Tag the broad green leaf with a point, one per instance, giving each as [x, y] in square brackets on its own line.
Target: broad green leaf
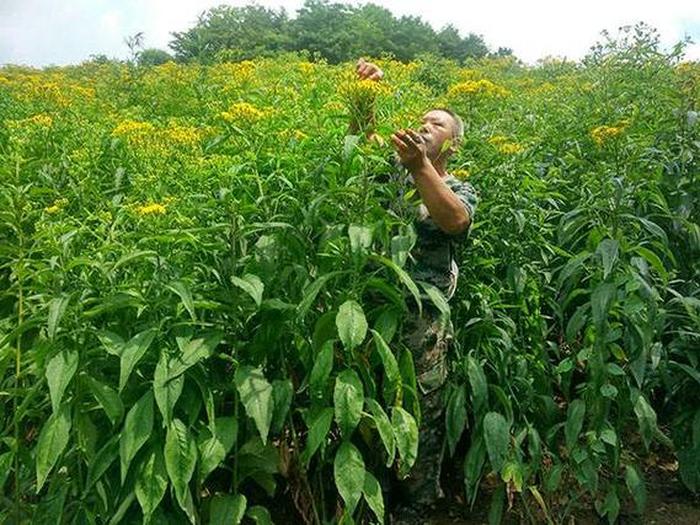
[252, 285]
[349, 474]
[360, 238]
[192, 351]
[497, 439]
[282, 392]
[654, 260]
[211, 454]
[635, 484]
[108, 398]
[473, 465]
[113, 343]
[260, 515]
[57, 308]
[608, 250]
[227, 509]
[318, 430]
[180, 459]
[5, 466]
[348, 398]
[576, 322]
[478, 384]
[456, 416]
[183, 291]
[438, 300]
[59, 373]
[312, 290]
[138, 426]
[392, 382]
[351, 324]
[52, 440]
[384, 428]
[167, 388]
[406, 433]
[132, 353]
[256, 396]
[227, 431]
[574, 422]
[321, 371]
[151, 483]
[601, 300]
[102, 461]
[372, 492]
[647, 420]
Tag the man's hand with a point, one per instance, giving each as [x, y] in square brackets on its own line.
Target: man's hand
[411, 149]
[368, 70]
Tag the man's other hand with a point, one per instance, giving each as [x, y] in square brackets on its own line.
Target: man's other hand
[411, 148]
[368, 70]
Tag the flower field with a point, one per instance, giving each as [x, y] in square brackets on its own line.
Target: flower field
[202, 288]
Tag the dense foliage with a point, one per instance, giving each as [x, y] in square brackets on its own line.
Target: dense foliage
[202, 287]
[336, 32]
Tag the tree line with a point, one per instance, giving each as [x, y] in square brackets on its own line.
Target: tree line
[335, 32]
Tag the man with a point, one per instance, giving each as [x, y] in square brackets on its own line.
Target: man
[443, 218]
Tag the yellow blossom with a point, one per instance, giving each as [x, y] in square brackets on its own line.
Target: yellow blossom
[132, 128]
[602, 134]
[461, 173]
[504, 145]
[242, 112]
[57, 206]
[151, 209]
[476, 87]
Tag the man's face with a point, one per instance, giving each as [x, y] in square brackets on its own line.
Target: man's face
[437, 127]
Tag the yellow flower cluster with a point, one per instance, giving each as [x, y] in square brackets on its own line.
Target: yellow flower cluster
[4, 81]
[476, 87]
[132, 128]
[602, 134]
[505, 146]
[242, 113]
[57, 206]
[461, 174]
[152, 208]
[293, 133]
[36, 122]
[181, 135]
[363, 89]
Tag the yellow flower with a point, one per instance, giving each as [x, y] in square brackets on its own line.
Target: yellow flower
[132, 128]
[56, 206]
[461, 173]
[181, 135]
[242, 112]
[603, 134]
[151, 209]
[476, 87]
[363, 89]
[504, 145]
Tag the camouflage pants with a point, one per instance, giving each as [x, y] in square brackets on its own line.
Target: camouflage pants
[428, 337]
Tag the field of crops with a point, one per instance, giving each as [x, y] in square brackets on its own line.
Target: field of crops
[202, 288]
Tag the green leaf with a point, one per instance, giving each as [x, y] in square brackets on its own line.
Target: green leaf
[392, 383]
[227, 510]
[372, 492]
[52, 440]
[57, 308]
[654, 260]
[497, 439]
[256, 396]
[497, 502]
[574, 422]
[166, 388]
[132, 353]
[406, 433]
[282, 392]
[635, 484]
[151, 483]
[5, 466]
[601, 300]
[108, 398]
[138, 426]
[349, 474]
[59, 373]
[348, 398]
[193, 351]
[211, 454]
[350, 146]
[576, 322]
[647, 420]
[180, 459]
[456, 416]
[473, 465]
[321, 371]
[318, 430]
[384, 428]
[260, 515]
[311, 291]
[360, 238]
[182, 290]
[102, 461]
[477, 382]
[608, 249]
[252, 285]
[438, 299]
[113, 343]
[351, 324]
[404, 277]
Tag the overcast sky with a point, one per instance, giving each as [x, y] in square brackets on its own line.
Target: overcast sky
[43, 32]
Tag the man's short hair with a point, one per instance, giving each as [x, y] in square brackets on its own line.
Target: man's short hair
[458, 123]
